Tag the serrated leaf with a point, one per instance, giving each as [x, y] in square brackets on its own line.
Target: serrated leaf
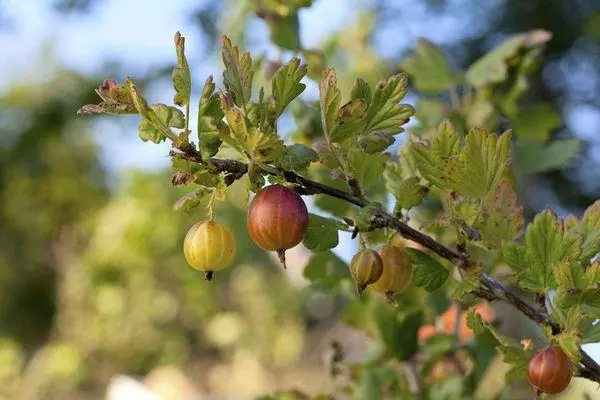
[326, 269]
[535, 157]
[493, 67]
[428, 272]
[191, 200]
[322, 233]
[238, 73]
[408, 193]
[349, 120]
[592, 334]
[366, 168]
[475, 322]
[182, 81]
[570, 343]
[361, 90]
[256, 180]
[537, 122]
[365, 216]
[286, 84]
[160, 129]
[375, 142]
[264, 147]
[168, 116]
[590, 224]
[209, 117]
[330, 99]
[501, 217]
[385, 114]
[429, 68]
[298, 157]
[546, 244]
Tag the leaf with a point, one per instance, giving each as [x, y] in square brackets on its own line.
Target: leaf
[286, 84]
[502, 218]
[298, 157]
[537, 122]
[182, 81]
[361, 90]
[475, 322]
[285, 31]
[330, 99]
[570, 342]
[238, 73]
[376, 142]
[366, 215]
[408, 192]
[322, 233]
[191, 200]
[592, 334]
[385, 114]
[428, 272]
[366, 168]
[546, 244]
[326, 269]
[349, 120]
[210, 115]
[369, 386]
[168, 116]
[590, 224]
[397, 331]
[429, 68]
[534, 157]
[493, 67]
[160, 128]
[116, 99]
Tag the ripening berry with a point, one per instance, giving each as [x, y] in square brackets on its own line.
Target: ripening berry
[277, 219]
[208, 247]
[550, 370]
[397, 271]
[366, 267]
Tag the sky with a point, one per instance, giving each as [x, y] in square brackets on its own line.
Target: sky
[115, 31]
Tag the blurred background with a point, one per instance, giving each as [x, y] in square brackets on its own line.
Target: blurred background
[96, 298]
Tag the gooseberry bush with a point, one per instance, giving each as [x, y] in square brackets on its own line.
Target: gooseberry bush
[439, 232]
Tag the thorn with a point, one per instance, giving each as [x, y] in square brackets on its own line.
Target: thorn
[281, 255]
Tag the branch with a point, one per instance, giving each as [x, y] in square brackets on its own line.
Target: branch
[491, 289]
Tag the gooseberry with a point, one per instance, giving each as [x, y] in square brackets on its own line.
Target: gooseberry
[397, 271]
[366, 267]
[277, 219]
[208, 247]
[550, 370]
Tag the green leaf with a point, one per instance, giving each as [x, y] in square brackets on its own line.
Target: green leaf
[546, 244]
[570, 343]
[168, 116]
[501, 218]
[182, 81]
[592, 334]
[238, 73]
[160, 128]
[361, 90]
[330, 98]
[429, 68]
[493, 67]
[366, 168]
[286, 84]
[349, 120]
[590, 224]
[537, 122]
[322, 233]
[385, 114]
[285, 31]
[209, 116]
[534, 157]
[326, 269]
[408, 192]
[475, 322]
[428, 272]
[191, 200]
[368, 386]
[365, 216]
[375, 142]
[298, 157]
[397, 330]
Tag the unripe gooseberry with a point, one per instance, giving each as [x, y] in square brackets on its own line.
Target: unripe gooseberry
[397, 272]
[277, 219]
[550, 370]
[366, 267]
[208, 247]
